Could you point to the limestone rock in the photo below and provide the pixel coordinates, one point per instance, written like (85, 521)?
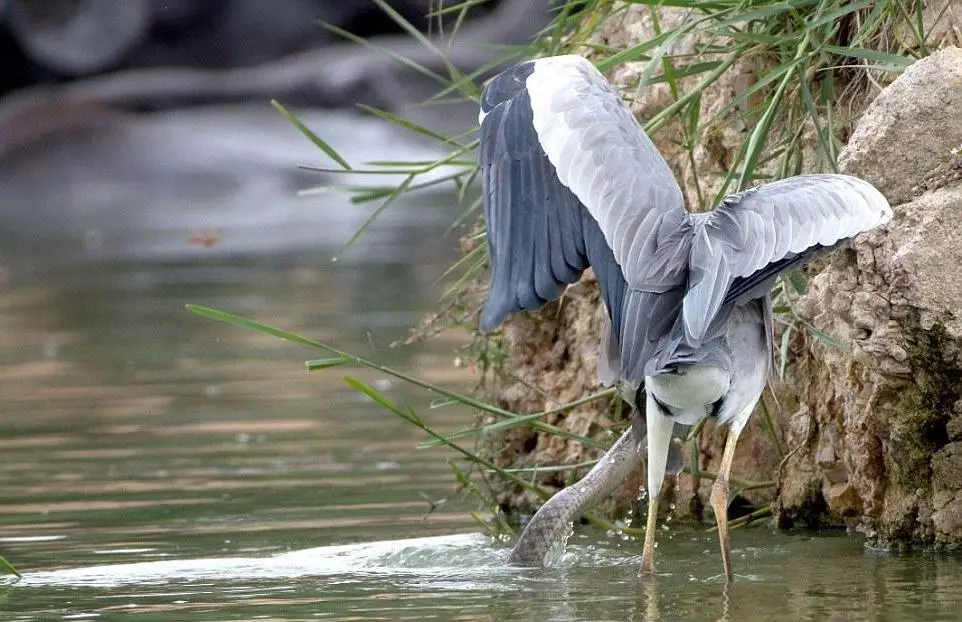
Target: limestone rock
(894, 145)
(886, 405)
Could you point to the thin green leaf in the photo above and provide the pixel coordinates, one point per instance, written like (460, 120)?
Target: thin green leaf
(311, 136)
(755, 145)
(520, 420)
(893, 60)
(411, 126)
(385, 402)
(6, 566)
(327, 363)
(402, 60)
(376, 396)
(824, 140)
(236, 320)
(832, 17)
(391, 198)
(361, 171)
(417, 35)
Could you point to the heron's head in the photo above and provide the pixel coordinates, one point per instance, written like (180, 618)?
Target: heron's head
(690, 386)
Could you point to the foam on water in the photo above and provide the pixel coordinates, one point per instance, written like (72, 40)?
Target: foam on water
(468, 554)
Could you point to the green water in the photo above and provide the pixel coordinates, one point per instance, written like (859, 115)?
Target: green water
(158, 466)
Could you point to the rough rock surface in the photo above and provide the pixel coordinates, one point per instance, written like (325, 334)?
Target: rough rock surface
(878, 429)
(903, 143)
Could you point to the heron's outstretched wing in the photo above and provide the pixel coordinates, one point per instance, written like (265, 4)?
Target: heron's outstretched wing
(534, 224)
(741, 245)
(570, 180)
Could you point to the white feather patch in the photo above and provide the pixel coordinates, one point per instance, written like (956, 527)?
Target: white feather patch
(580, 122)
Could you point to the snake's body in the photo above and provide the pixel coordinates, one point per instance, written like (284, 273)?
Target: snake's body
(543, 538)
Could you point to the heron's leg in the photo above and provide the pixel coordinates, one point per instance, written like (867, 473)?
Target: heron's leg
(719, 495)
(659, 440)
(648, 555)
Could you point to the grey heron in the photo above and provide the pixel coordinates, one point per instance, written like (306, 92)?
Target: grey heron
(571, 181)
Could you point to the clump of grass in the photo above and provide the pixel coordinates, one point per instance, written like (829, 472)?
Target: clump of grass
(811, 61)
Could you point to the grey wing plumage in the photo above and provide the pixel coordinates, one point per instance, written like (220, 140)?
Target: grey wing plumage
(570, 180)
(534, 224)
(741, 245)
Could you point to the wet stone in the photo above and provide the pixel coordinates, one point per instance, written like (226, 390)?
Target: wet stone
(843, 500)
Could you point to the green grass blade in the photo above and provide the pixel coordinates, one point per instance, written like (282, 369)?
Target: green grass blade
(391, 198)
(831, 17)
(363, 171)
(376, 396)
(7, 567)
(311, 136)
(316, 364)
(520, 420)
(417, 35)
(402, 60)
(824, 140)
(236, 320)
(759, 135)
(885, 58)
(385, 402)
(412, 127)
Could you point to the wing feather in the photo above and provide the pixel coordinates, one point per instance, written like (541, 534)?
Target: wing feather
(597, 148)
(747, 240)
(571, 180)
(533, 222)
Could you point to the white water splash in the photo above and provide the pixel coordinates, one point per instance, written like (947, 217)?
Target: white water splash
(467, 554)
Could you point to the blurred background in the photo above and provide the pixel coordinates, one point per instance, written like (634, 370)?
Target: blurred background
(142, 167)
